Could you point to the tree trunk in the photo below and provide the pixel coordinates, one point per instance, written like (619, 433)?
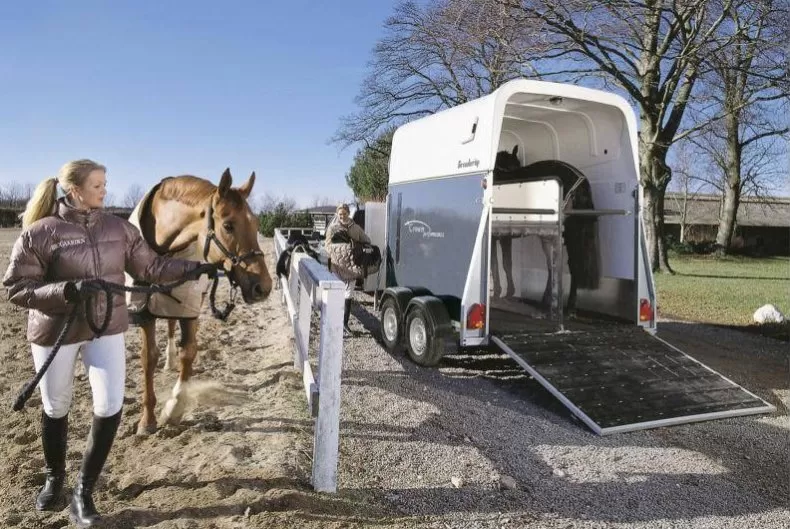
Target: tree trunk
(649, 219)
(663, 255)
(653, 218)
(654, 177)
(732, 191)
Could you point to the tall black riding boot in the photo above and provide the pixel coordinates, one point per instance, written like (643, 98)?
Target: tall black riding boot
(83, 511)
(346, 314)
(54, 433)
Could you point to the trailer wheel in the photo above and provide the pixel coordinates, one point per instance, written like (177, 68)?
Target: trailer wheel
(390, 321)
(422, 344)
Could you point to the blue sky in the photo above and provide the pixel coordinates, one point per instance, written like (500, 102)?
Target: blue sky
(152, 89)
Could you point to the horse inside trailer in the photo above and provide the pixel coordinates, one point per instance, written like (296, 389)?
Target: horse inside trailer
(514, 221)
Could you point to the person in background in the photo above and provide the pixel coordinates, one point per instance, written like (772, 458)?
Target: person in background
(344, 223)
(64, 242)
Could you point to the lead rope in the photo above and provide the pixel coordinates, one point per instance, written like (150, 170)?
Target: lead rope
(92, 286)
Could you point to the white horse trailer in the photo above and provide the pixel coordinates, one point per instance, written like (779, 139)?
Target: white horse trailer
(445, 210)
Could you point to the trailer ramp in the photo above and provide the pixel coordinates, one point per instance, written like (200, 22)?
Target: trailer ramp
(619, 378)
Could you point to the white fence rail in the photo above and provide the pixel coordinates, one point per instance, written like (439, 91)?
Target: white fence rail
(308, 287)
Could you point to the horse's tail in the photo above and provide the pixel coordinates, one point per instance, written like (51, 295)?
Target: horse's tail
(581, 241)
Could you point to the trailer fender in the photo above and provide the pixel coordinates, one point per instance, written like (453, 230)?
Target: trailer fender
(402, 296)
(437, 312)
(429, 341)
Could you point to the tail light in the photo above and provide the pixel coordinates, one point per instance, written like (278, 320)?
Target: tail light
(476, 317)
(645, 310)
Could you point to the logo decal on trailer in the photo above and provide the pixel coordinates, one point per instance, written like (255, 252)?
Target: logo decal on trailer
(418, 227)
(469, 163)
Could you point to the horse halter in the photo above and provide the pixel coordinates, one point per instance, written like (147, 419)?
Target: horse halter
(234, 259)
(212, 236)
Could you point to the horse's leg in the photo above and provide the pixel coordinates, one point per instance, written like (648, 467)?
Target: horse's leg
(174, 408)
(495, 263)
(575, 264)
(149, 357)
(572, 294)
(546, 244)
(172, 347)
(507, 261)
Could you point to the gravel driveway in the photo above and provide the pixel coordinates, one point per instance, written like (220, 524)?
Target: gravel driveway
(476, 442)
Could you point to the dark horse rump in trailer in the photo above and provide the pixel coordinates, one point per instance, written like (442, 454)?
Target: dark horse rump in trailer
(567, 171)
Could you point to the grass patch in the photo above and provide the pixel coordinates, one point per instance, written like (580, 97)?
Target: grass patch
(725, 291)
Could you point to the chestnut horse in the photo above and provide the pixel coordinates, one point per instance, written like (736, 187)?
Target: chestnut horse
(181, 212)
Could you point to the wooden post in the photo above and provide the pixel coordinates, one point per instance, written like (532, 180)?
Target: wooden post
(330, 364)
(311, 286)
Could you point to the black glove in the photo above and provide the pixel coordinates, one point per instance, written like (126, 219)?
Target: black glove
(76, 291)
(71, 292)
(209, 269)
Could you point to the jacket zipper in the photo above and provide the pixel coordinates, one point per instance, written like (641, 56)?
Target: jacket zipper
(96, 259)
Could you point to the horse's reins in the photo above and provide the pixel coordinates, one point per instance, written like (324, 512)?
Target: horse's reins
(235, 260)
(100, 285)
(91, 286)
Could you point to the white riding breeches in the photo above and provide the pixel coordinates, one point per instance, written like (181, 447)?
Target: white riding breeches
(105, 361)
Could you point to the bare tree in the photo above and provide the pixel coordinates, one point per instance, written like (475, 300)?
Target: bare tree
(653, 50)
(269, 203)
(745, 84)
(134, 194)
(321, 201)
(436, 56)
(688, 180)
(15, 195)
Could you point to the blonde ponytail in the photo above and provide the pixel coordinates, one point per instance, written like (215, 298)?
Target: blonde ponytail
(42, 203)
(71, 175)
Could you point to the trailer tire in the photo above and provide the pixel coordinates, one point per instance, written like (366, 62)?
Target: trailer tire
(422, 344)
(391, 321)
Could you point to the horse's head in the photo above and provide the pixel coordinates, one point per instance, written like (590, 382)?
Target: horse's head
(234, 243)
(506, 161)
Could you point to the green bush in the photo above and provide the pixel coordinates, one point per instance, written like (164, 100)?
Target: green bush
(689, 248)
(681, 248)
(281, 217)
(9, 217)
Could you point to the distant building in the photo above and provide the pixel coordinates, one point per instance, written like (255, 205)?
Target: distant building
(321, 216)
(762, 225)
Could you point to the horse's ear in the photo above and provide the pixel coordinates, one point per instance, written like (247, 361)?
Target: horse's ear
(515, 150)
(224, 183)
(246, 188)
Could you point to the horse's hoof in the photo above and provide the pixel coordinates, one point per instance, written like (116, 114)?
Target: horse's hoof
(173, 412)
(148, 429)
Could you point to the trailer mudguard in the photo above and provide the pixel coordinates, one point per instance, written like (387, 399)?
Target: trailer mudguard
(402, 296)
(437, 312)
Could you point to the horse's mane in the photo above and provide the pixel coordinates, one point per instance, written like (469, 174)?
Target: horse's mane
(187, 189)
(193, 191)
